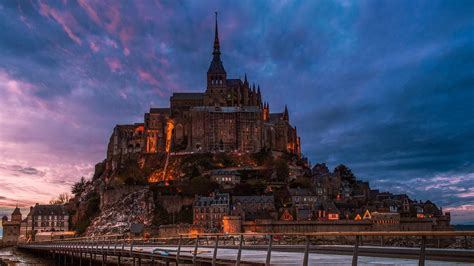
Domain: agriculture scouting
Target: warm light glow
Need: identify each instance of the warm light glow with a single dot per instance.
(169, 134)
(155, 177)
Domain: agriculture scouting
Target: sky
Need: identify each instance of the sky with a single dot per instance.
(385, 87)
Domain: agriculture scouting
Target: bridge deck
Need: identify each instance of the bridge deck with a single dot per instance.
(295, 258)
(280, 255)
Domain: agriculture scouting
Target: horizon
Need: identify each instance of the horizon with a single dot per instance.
(384, 91)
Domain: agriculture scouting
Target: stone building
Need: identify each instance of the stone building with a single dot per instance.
(11, 229)
(209, 211)
(302, 197)
(254, 207)
(229, 116)
(226, 178)
(45, 218)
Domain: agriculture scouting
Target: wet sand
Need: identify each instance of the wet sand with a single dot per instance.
(13, 257)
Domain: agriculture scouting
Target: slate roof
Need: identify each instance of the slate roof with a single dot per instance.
(159, 110)
(304, 214)
(216, 66)
(233, 82)
(275, 116)
(300, 192)
(16, 211)
(329, 206)
(227, 109)
(217, 199)
(224, 172)
(253, 199)
(49, 210)
(188, 96)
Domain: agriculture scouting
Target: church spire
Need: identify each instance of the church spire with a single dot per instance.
(217, 49)
(216, 66)
(286, 116)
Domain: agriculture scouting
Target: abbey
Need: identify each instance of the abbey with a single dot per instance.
(230, 116)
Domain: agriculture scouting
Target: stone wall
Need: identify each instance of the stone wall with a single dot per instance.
(416, 224)
(174, 230)
(232, 224)
(267, 226)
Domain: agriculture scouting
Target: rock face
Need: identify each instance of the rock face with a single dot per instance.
(130, 206)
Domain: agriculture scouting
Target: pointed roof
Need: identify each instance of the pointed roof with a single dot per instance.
(217, 50)
(216, 66)
(286, 117)
(16, 211)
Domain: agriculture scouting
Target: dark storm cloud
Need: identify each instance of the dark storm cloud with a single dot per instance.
(385, 87)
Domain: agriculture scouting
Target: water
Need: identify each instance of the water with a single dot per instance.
(13, 257)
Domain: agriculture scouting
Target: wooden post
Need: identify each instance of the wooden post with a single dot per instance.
(179, 249)
(306, 252)
(269, 251)
(239, 252)
(355, 253)
(421, 261)
(214, 256)
(195, 249)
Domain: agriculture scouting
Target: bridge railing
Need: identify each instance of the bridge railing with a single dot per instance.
(114, 244)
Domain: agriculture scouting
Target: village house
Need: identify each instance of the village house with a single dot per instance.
(209, 211)
(254, 207)
(226, 178)
(302, 197)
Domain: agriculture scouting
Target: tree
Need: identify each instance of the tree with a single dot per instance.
(79, 186)
(61, 199)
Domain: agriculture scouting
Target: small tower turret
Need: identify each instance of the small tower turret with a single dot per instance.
(16, 215)
(259, 96)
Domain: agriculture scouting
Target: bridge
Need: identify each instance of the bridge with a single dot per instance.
(319, 248)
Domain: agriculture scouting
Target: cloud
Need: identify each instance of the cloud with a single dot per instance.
(63, 18)
(17, 169)
(114, 64)
(385, 88)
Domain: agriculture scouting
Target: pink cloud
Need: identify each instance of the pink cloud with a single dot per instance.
(113, 16)
(94, 47)
(126, 51)
(111, 43)
(114, 64)
(468, 194)
(35, 157)
(147, 77)
(65, 19)
(461, 214)
(90, 11)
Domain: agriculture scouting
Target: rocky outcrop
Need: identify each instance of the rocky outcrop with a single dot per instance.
(132, 207)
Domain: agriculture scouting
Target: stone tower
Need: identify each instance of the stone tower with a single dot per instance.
(16, 215)
(216, 75)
